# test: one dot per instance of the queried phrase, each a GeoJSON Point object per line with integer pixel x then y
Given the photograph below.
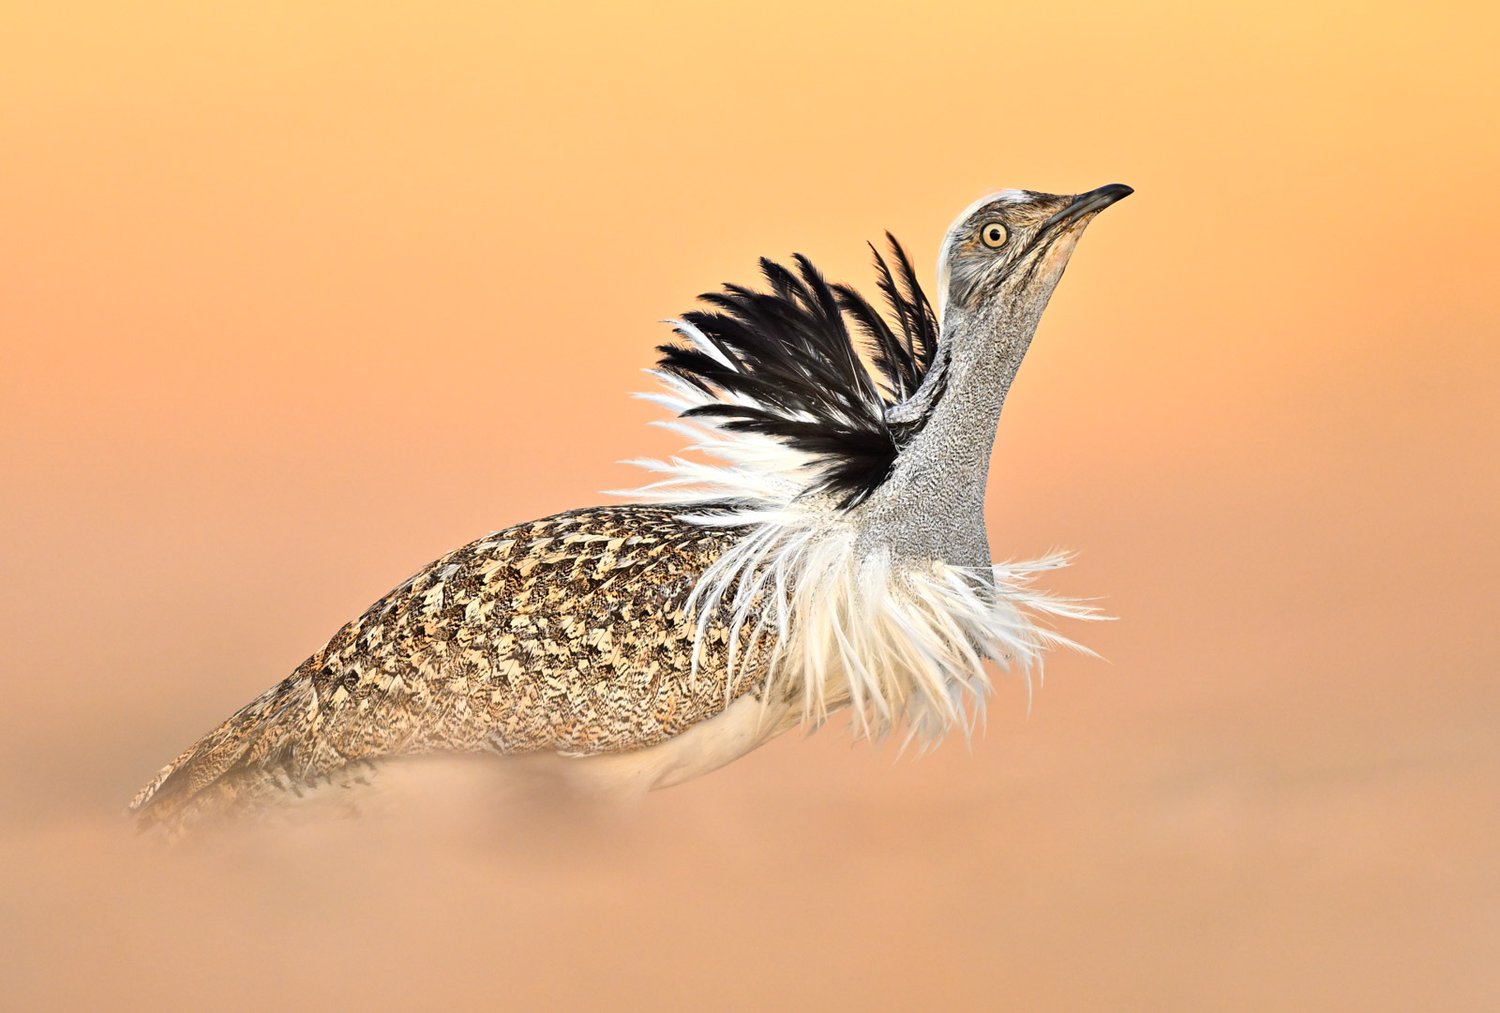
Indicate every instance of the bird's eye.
{"type": "Point", "coordinates": [993, 234]}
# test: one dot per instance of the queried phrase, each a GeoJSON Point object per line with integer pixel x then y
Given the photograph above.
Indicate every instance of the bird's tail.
{"type": "Point", "coordinates": [262, 750]}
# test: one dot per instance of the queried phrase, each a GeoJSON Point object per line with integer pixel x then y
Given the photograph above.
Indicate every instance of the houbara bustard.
{"type": "Point", "coordinates": [828, 553]}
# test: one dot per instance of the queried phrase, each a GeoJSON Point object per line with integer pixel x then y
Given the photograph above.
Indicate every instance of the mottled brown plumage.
{"type": "Point", "coordinates": [564, 634]}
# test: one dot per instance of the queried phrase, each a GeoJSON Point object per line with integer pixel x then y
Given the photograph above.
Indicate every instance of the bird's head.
{"type": "Point", "coordinates": [1005, 254]}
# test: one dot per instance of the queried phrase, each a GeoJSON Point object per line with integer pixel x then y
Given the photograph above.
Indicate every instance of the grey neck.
{"type": "Point", "coordinates": [932, 504]}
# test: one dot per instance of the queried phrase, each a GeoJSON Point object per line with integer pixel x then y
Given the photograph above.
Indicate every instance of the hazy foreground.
{"type": "Point", "coordinates": [1250, 800]}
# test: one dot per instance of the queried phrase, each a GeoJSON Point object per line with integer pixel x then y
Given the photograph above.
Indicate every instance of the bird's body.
{"type": "Point", "coordinates": [836, 559]}
{"type": "Point", "coordinates": [565, 634]}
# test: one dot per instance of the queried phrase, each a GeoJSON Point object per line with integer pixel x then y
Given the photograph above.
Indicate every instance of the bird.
{"type": "Point", "coordinates": [821, 549]}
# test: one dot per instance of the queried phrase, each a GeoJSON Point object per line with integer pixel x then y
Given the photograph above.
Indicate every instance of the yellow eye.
{"type": "Point", "coordinates": [993, 234]}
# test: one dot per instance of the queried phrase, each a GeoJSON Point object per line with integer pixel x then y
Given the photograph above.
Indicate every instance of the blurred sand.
{"type": "Point", "coordinates": [282, 296]}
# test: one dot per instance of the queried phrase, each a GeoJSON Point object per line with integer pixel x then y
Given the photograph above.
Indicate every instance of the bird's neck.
{"type": "Point", "coordinates": [932, 504]}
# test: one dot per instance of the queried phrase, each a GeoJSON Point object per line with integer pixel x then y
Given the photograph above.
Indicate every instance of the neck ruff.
{"type": "Point", "coordinates": [898, 642]}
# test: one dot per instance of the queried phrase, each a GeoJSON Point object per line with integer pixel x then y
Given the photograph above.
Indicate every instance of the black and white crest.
{"type": "Point", "coordinates": [785, 364]}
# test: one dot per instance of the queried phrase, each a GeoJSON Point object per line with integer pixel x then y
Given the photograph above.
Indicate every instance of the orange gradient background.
{"type": "Point", "coordinates": [296, 297]}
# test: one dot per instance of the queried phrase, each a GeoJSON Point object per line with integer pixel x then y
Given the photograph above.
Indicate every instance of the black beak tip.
{"type": "Point", "coordinates": [1085, 205]}
{"type": "Point", "coordinates": [1114, 192]}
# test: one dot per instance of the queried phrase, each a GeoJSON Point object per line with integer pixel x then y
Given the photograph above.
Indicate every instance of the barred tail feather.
{"type": "Point", "coordinates": [268, 744]}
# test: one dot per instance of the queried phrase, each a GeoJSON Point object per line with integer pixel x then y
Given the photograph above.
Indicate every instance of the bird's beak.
{"type": "Point", "coordinates": [1085, 205]}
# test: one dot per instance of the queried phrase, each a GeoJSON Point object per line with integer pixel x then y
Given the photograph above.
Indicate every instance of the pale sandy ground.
{"type": "Point", "coordinates": [1280, 792]}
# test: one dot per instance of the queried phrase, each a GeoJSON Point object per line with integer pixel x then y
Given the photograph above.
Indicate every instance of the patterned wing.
{"type": "Point", "coordinates": [565, 634]}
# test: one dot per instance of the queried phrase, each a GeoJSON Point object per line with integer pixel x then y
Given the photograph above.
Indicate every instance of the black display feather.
{"type": "Point", "coordinates": [791, 351]}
